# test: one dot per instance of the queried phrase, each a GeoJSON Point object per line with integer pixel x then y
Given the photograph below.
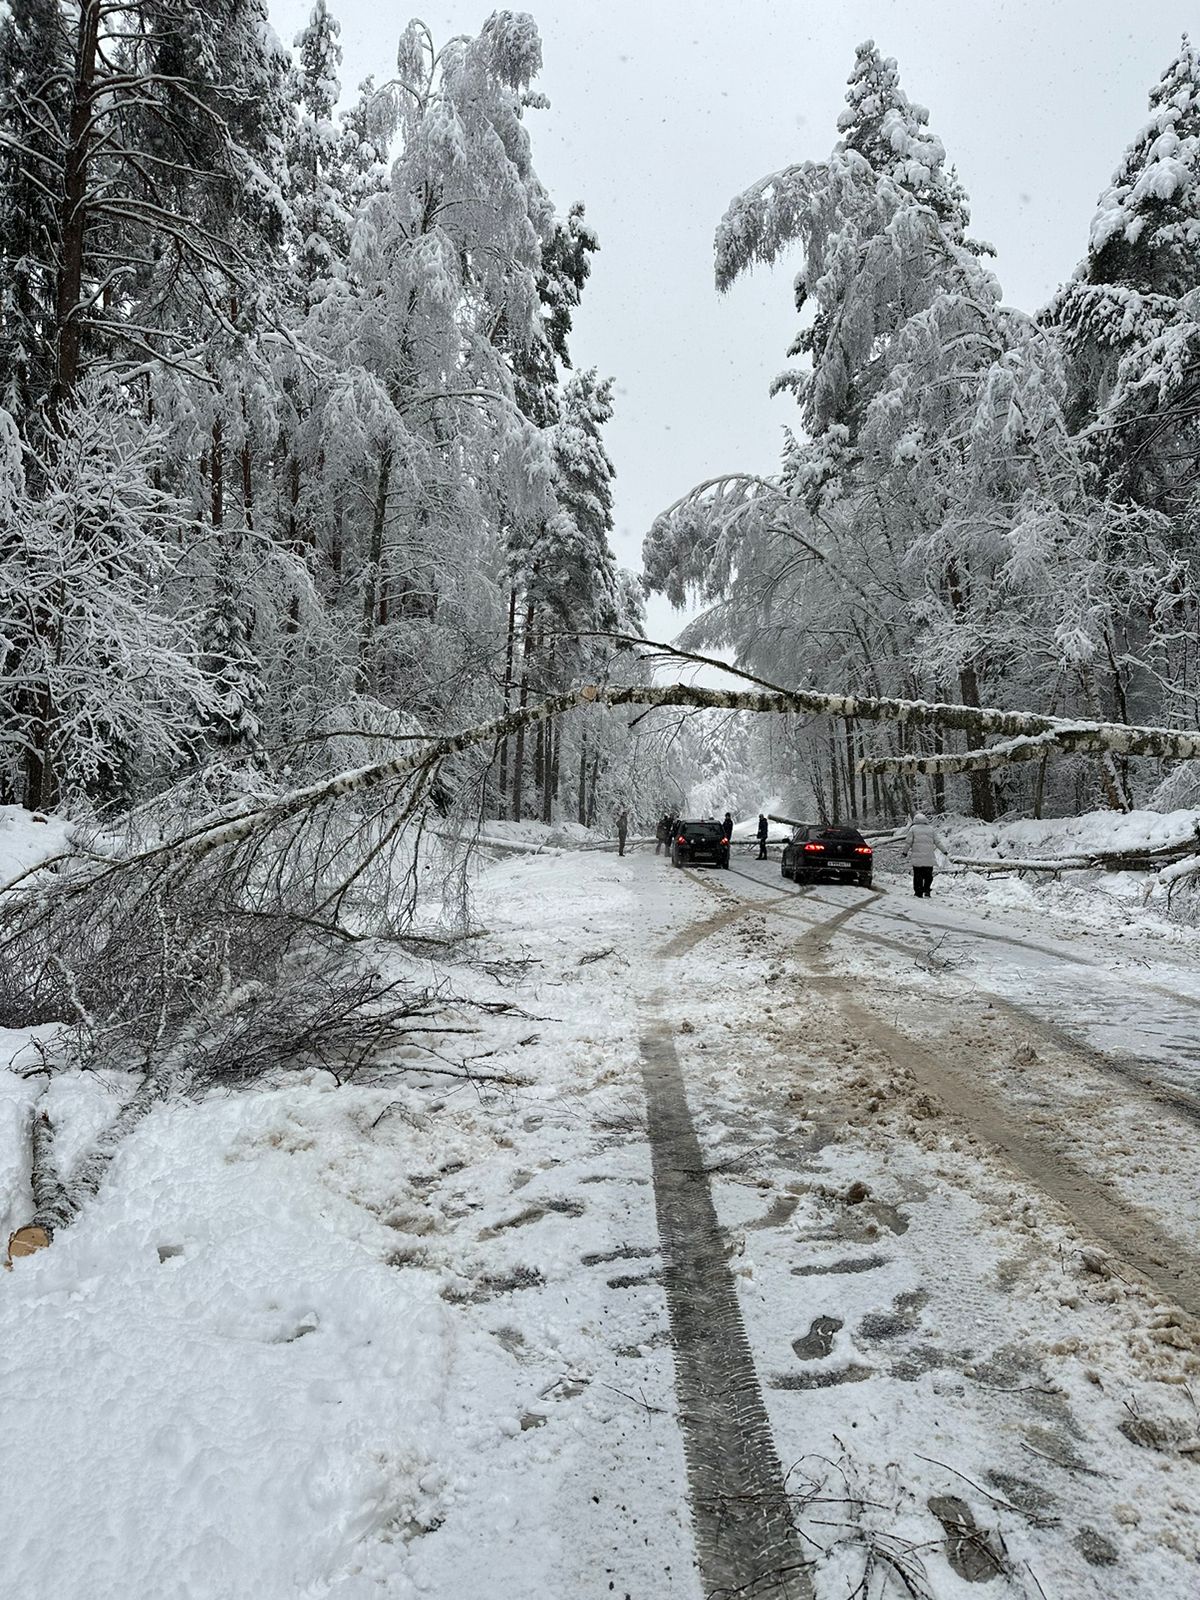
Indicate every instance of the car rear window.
{"type": "Point", "coordinates": [849, 835]}
{"type": "Point", "coordinates": [710, 830]}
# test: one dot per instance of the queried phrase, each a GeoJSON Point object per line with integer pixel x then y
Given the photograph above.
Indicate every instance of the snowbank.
{"type": "Point", "coordinates": [1057, 838]}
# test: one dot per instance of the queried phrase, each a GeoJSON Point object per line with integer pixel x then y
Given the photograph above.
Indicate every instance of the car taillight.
{"type": "Point", "coordinates": [681, 839]}
{"type": "Point", "coordinates": [811, 846]}
{"type": "Point", "coordinates": [862, 849]}
{"type": "Point", "coordinates": [724, 841]}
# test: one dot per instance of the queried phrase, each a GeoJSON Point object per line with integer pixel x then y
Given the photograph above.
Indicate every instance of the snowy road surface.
{"type": "Point", "coordinates": [827, 1239]}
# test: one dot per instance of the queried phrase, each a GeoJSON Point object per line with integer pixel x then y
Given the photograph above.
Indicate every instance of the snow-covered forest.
{"type": "Point", "coordinates": [975, 503]}
{"type": "Point", "coordinates": [296, 465]}
{"type": "Point", "coordinates": [295, 461]}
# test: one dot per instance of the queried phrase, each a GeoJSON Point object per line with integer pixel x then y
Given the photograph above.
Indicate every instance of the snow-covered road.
{"type": "Point", "coordinates": [817, 1199]}
{"type": "Point", "coordinates": [1140, 1010]}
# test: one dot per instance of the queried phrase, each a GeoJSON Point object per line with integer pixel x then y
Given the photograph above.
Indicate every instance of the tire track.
{"type": "Point", "coordinates": [1129, 1069]}
{"type": "Point", "coordinates": [1130, 1233]}
{"type": "Point", "coordinates": [746, 1543]}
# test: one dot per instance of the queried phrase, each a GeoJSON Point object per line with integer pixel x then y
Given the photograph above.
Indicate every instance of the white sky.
{"type": "Point", "coordinates": [662, 110]}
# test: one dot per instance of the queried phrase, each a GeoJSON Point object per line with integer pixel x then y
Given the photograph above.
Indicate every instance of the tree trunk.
{"type": "Point", "coordinates": [292, 624]}
{"type": "Point", "coordinates": [518, 780]}
{"type": "Point", "coordinates": [581, 808]}
{"type": "Point", "coordinates": [372, 574]}
{"type": "Point", "coordinates": [508, 669]}
{"type": "Point", "coordinates": [983, 794]}
{"type": "Point", "coordinates": [247, 462]}
{"type": "Point", "coordinates": [41, 784]}
{"type": "Point", "coordinates": [550, 784]}
{"type": "Point", "coordinates": [939, 748]}
{"type": "Point", "coordinates": [595, 779]}
{"type": "Point", "coordinates": [73, 211]}
{"type": "Point", "coordinates": [217, 473]}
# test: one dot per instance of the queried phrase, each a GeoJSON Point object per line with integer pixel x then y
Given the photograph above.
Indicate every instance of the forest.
{"type": "Point", "coordinates": [296, 466]}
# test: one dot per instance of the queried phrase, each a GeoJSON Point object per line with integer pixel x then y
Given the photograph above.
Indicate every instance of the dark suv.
{"type": "Point", "coordinates": [817, 853]}
{"type": "Point", "coordinates": [699, 841]}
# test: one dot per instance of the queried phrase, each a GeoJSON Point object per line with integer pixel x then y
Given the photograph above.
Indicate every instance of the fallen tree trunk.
{"type": "Point", "coordinates": [56, 1200]}
{"type": "Point", "coordinates": [51, 1207]}
{"type": "Point", "coordinates": [1031, 732]}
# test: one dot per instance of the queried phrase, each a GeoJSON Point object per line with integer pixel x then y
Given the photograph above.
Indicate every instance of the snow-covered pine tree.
{"type": "Point", "coordinates": [320, 202]}
{"type": "Point", "coordinates": [573, 588]}
{"type": "Point", "coordinates": [414, 456]}
{"type": "Point", "coordinates": [1128, 318]}
{"type": "Point", "coordinates": [234, 718]}
{"type": "Point", "coordinates": [142, 130]}
{"type": "Point", "coordinates": [539, 365]}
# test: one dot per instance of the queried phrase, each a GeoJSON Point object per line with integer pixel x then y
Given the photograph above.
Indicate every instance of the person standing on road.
{"type": "Point", "coordinates": [662, 838]}
{"type": "Point", "coordinates": [727, 826]}
{"type": "Point", "coordinates": [762, 837]}
{"type": "Point", "coordinates": [622, 829]}
{"type": "Point", "coordinates": [921, 843]}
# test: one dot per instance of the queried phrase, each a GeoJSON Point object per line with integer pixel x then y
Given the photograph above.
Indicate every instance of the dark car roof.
{"type": "Point", "coordinates": [702, 822]}
{"type": "Point", "coordinates": [817, 830]}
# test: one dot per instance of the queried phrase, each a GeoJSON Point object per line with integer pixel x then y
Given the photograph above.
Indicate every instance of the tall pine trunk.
{"type": "Point", "coordinates": [518, 781]}
{"type": "Point", "coordinates": [509, 647]}
{"type": "Point", "coordinates": [73, 211]}
{"type": "Point", "coordinates": [371, 578]}
{"type": "Point", "coordinates": [983, 794]}
{"type": "Point", "coordinates": [549, 773]}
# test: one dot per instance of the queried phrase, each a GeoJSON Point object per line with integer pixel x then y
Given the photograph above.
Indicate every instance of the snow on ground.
{"type": "Point", "coordinates": [926, 1320]}
{"type": "Point", "coordinates": [27, 839]}
{"type": "Point", "coordinates": [364, 1341]}
{"type": "Point", "coordinates": [407, 1337]}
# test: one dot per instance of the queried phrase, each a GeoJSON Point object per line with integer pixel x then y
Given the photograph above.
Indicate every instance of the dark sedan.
{"type": "Point", "coordinates": [820, 854]}
{"type": "Point", "coordinates": [699, 841]}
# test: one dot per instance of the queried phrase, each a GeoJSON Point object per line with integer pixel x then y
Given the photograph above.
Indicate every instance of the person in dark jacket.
{"type": "Point", "coordinates": [762, 837]}
{"type": "Point", "coordinates": [662, 838]}
{"type": "Point", "coordinates": [622, 829]}
{"type": "Point", "coordinates": [727, 826]}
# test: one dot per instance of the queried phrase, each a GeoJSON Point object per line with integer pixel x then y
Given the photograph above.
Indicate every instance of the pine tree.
{"type": "Point", "coordinates": [1126, 318]}
{"type": "Point", "coordinates": [151, 137]}
{"type": "Point", "coordinates": [234, 718]}
{"type": "Point", "coordinates": [320, 202]}
{"type": "Point", "coordinates": [933, 457]}
{"type": "Point", "coordinates": [891, 134]}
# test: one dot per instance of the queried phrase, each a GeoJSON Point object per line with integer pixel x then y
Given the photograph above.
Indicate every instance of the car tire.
{"type": "Point", "coordinates": [783, 871]}
{"type": "Point", "coordinates": [864, 883]}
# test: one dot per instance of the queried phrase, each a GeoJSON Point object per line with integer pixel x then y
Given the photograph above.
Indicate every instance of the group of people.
{"type": "Point", "coordinates": [667, 825]}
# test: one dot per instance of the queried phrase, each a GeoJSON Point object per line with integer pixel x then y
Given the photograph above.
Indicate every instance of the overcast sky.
{"type": "Point", "coordinates": [662, 110]}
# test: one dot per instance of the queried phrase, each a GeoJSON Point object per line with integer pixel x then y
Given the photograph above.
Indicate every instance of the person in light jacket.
{"type": "Point", "coordinates": [921, 843]}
